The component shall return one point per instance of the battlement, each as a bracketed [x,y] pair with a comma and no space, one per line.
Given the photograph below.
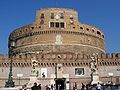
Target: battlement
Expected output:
[67,59]
[110,56]
[63,56]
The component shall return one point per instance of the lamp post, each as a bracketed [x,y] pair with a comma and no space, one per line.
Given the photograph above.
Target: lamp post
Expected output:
[55,76]
[19,76]
[10,82]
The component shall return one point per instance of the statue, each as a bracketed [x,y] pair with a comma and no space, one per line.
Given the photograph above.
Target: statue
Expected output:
[93,63]
[94,69]
[34,67]
[34,73]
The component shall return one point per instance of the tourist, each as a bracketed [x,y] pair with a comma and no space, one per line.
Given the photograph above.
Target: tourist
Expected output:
[87,86]
[51,86]
[35,87]
[98,86]
[75,86]
[83,87]
[47,88]
[24,87]
[39,87]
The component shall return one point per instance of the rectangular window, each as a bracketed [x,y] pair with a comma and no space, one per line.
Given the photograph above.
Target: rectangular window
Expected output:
[62,16]
[42,16]
[62,25]
[43,73]
[57,24]
[42,22]
[51,24]
[79,71]
[52,15]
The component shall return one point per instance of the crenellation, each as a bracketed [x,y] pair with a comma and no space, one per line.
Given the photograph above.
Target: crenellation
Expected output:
[58,37]
[117,55]
[108,56]
[113,56]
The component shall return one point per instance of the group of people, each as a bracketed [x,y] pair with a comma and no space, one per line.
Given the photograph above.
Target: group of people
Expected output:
[35,87]
[49,87]
[87,86]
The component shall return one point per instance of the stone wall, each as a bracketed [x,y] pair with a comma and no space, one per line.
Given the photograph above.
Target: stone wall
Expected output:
[32,37]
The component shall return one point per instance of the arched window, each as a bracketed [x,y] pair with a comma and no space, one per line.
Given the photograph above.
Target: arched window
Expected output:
[42,16]
[52,15]
[61,16]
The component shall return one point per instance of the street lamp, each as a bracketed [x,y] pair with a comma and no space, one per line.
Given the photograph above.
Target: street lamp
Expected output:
[19,76]
[10,82]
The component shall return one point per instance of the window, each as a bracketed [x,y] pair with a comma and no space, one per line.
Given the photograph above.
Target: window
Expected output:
[57,24]
[81,27]
[74,27]
[103,36]
[98,33]
[87,29]
[51,24]
[32,27]
[71,16]
[42,16]
[62,25]
[42,22]
[62,16]
[93,30]
[71,22]
[79,71]
[52,15]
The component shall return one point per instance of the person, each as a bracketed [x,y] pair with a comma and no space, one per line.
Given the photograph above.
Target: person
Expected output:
[51,86]
[59,86]
[83,87]
[75,86]
[24,87]
[98,86]
[39,87]
[47,88]
[35,87]
[87,87]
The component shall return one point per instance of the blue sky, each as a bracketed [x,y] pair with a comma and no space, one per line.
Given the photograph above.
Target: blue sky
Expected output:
[104,14]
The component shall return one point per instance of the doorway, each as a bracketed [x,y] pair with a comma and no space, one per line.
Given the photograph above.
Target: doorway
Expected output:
[60,84]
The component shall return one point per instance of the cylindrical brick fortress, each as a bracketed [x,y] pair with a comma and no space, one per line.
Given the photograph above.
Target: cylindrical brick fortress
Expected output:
[57,29]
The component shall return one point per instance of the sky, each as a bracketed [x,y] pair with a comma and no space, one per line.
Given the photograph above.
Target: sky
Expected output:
[103,14]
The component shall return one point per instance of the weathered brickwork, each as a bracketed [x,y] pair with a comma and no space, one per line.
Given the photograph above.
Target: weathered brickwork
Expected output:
[31,37]
[57,37]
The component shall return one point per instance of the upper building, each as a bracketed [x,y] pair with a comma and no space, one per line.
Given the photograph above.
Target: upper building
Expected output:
[53,27]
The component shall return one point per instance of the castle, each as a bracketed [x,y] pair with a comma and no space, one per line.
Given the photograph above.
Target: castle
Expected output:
[57,39]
